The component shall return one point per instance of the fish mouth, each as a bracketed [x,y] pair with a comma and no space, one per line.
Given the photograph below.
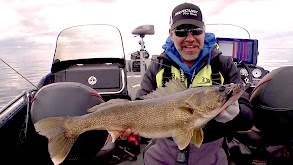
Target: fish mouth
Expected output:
[234,93]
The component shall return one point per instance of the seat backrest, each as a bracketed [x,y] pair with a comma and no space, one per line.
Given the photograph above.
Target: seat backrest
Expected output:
[68,99]
[63,99]
[144,30]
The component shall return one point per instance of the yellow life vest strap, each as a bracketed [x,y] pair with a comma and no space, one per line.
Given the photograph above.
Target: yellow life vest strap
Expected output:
[202,78]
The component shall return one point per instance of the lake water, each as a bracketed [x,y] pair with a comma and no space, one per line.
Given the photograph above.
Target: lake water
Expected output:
[31,67]
[35,67]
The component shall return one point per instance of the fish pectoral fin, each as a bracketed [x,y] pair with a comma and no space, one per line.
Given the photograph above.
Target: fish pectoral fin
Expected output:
[191,100]
[197,137]
[107,104]
[182,137]
[115,134]
[187,109]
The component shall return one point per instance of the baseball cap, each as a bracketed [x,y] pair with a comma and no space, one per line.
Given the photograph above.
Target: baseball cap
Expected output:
[186,13]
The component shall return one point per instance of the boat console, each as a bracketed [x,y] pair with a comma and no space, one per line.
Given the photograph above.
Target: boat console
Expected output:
[244,53]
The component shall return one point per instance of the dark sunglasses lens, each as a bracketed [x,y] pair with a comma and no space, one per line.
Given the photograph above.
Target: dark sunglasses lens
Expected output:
[181,33]
[196,32]
[184,32]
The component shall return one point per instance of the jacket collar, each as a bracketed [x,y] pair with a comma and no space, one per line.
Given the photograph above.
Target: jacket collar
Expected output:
[172,53]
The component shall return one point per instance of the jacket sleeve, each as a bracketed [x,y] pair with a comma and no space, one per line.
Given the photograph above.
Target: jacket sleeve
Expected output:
[243,121]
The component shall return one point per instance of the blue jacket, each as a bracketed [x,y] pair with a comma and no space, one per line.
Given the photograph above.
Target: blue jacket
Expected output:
[172,53]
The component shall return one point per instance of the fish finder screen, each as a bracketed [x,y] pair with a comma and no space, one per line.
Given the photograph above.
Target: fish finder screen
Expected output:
[245,50]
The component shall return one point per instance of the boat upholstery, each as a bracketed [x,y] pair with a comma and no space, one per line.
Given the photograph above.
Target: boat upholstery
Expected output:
[70,99]
[63,99]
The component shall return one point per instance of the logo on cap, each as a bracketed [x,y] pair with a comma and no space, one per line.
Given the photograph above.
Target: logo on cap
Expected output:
[186,12]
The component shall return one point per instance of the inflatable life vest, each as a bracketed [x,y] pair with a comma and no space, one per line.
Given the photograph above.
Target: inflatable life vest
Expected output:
[207,76]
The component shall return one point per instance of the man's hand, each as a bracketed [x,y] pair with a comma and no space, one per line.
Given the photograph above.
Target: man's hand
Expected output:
[127,133]
[229,113]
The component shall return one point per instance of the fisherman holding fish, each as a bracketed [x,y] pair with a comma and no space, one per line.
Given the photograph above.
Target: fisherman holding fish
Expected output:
[191,55]
[191,97]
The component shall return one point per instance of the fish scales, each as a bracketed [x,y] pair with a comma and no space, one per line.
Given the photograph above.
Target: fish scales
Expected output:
[149,117]
[166,112]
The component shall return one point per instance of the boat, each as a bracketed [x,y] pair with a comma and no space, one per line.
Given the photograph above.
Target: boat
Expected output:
[89,67]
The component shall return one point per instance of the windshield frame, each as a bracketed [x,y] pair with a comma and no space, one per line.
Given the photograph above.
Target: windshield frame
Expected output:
[67,48]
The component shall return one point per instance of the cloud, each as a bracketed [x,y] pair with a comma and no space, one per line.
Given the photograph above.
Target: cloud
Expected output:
[214,7]
[21,45]
[41,21]
[103,1]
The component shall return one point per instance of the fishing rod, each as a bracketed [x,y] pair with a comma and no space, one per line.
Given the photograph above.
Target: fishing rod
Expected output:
[18,73]
[28,99]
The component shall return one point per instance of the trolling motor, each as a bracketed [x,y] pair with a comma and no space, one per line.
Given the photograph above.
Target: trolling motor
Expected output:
[141,31]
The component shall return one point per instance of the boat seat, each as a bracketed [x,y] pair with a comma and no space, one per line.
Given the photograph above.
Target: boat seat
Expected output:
[144,30]
[63,99]
[70,99]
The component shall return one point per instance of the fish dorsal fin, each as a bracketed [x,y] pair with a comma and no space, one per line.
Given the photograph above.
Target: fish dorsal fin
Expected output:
[107,104]
[171,87]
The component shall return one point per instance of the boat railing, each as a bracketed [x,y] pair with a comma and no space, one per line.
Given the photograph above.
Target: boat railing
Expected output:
[10,109]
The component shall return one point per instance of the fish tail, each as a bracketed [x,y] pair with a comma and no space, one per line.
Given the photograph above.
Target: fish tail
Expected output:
[60,138]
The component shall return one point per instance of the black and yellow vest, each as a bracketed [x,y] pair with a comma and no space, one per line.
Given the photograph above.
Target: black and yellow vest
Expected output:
[207,76]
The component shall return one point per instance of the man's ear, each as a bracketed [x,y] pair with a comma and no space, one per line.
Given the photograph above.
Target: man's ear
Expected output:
[171,33]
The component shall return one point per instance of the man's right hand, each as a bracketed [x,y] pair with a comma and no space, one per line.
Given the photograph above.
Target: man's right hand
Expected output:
[128,132]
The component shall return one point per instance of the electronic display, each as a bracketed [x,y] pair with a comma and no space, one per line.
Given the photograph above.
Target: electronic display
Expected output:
[245,50]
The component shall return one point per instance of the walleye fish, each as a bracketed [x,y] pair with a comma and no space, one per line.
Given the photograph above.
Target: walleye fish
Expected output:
[171,111]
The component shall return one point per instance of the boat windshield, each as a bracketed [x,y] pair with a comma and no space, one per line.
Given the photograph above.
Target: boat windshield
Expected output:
[88,42]
[228,31]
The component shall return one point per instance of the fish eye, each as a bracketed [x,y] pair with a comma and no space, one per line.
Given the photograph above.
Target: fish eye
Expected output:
[222,88]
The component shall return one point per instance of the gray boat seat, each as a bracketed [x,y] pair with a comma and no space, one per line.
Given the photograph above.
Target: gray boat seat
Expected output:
[144,30]
[70,99]
[63,99]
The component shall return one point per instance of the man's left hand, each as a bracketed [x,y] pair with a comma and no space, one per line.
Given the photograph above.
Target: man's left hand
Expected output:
[229,113]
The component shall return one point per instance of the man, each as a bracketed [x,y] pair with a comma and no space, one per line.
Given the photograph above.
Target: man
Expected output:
[191,55]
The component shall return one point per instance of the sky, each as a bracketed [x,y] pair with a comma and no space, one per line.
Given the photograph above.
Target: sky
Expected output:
[32,26]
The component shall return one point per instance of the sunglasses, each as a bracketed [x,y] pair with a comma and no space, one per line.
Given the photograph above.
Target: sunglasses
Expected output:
[184,32]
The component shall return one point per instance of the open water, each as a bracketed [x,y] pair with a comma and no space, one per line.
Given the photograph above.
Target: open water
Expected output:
[35,67]
[31,67]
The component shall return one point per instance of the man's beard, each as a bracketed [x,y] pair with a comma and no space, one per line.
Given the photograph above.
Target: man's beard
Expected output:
[191,56]
[187,57]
